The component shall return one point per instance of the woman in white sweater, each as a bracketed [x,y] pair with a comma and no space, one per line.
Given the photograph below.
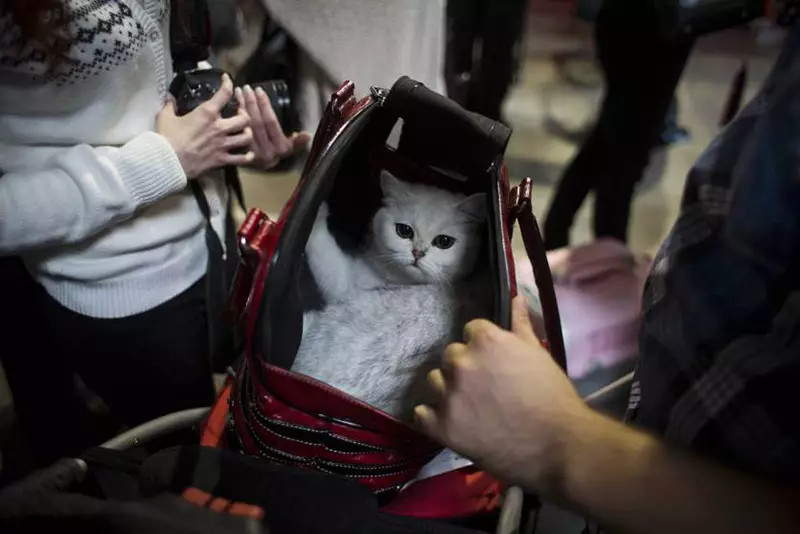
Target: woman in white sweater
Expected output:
[94,196]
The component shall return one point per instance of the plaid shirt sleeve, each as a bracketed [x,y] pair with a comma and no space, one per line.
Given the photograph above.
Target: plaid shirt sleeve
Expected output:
[743,408]
[720,340]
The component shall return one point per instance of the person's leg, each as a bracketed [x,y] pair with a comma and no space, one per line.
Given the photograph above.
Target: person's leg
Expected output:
[501,28]
[461,31]
[641,76]
[582,173]
[51,415]
[146,365]
[573,188]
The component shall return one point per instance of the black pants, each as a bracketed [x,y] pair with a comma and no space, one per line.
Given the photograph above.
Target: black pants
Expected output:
[495,28]
[641,74]
[142,366]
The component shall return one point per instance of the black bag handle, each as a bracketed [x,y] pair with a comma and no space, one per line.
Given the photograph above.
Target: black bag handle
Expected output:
[442,134]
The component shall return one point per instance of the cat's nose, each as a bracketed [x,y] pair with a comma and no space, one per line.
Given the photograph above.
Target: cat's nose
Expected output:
[418,254]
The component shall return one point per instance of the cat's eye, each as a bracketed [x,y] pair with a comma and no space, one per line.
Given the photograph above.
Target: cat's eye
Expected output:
[404,231]
[443,241]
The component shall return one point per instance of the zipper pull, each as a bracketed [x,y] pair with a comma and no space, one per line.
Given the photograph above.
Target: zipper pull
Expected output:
[379,94]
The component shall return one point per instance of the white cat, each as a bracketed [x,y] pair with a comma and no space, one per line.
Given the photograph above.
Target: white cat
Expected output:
[391,310]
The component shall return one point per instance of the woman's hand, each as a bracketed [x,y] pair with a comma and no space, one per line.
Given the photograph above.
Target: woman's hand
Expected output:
[270,144]
[202,139]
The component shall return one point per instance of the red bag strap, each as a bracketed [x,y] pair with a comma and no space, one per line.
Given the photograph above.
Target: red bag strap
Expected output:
[521,212]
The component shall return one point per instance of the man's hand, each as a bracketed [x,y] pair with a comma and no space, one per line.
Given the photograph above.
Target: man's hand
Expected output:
[507,406]
[504,403]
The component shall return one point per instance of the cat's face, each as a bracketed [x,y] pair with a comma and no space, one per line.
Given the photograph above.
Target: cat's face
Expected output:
[427,234]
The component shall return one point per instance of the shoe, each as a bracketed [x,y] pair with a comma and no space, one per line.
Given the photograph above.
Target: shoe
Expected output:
[673,134]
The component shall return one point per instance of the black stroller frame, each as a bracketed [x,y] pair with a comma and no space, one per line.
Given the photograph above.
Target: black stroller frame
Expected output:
[518,514]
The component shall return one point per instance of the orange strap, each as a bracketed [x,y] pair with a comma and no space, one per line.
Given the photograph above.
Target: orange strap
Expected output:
[214,427]
[221,505]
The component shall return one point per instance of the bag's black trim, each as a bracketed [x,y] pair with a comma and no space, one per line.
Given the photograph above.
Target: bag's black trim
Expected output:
[312,436]
[293,238]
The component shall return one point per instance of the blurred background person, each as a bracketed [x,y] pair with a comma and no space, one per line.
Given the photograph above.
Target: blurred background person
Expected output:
[96,198]
[587,10]
[371,43]
[641,72]
[484,38]
[714,440]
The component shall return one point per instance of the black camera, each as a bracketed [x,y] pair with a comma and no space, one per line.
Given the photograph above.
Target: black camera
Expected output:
[192,88]
[190,41]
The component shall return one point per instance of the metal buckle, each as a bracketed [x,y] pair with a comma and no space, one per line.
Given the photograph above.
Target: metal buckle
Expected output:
[379,93]
[252,233]
[340,98]
[520,197]
[252,236]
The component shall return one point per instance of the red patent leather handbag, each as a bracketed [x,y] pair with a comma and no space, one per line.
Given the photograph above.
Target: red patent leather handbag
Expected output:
[290,418]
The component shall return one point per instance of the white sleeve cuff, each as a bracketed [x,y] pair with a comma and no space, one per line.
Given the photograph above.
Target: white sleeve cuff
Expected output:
[149,168]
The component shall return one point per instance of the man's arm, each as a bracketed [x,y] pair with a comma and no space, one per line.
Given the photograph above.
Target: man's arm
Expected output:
[633,483]
[507,406]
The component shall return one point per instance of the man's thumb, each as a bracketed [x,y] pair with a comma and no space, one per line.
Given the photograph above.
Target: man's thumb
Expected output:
[521,319]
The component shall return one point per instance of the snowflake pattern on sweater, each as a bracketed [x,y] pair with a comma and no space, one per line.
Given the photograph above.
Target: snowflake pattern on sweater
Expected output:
[105,35]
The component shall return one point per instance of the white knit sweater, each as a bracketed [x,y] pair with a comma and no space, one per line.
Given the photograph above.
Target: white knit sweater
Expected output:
[93,199]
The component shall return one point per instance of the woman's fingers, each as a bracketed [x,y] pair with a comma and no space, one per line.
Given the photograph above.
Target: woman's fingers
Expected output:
[251,104]
[226,158]
[299,141]
[282,145]
[239,94]
[233,125]
[169,109]
[256,116]
[267,152]
[243,139]
[268,140]
[221,98]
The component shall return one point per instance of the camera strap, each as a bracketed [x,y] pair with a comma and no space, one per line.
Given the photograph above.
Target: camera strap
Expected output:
[219,274]
[190,40]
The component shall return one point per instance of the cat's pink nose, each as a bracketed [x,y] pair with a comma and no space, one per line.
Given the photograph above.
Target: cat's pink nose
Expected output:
[418,254]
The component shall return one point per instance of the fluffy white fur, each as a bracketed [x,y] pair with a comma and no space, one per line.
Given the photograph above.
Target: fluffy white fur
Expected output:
[391,310]
[380,345]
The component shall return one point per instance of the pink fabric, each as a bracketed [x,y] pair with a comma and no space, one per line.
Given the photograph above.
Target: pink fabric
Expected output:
[599,289]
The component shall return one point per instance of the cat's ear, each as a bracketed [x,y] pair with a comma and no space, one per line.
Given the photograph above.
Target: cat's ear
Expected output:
[391,186]
[474,206]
